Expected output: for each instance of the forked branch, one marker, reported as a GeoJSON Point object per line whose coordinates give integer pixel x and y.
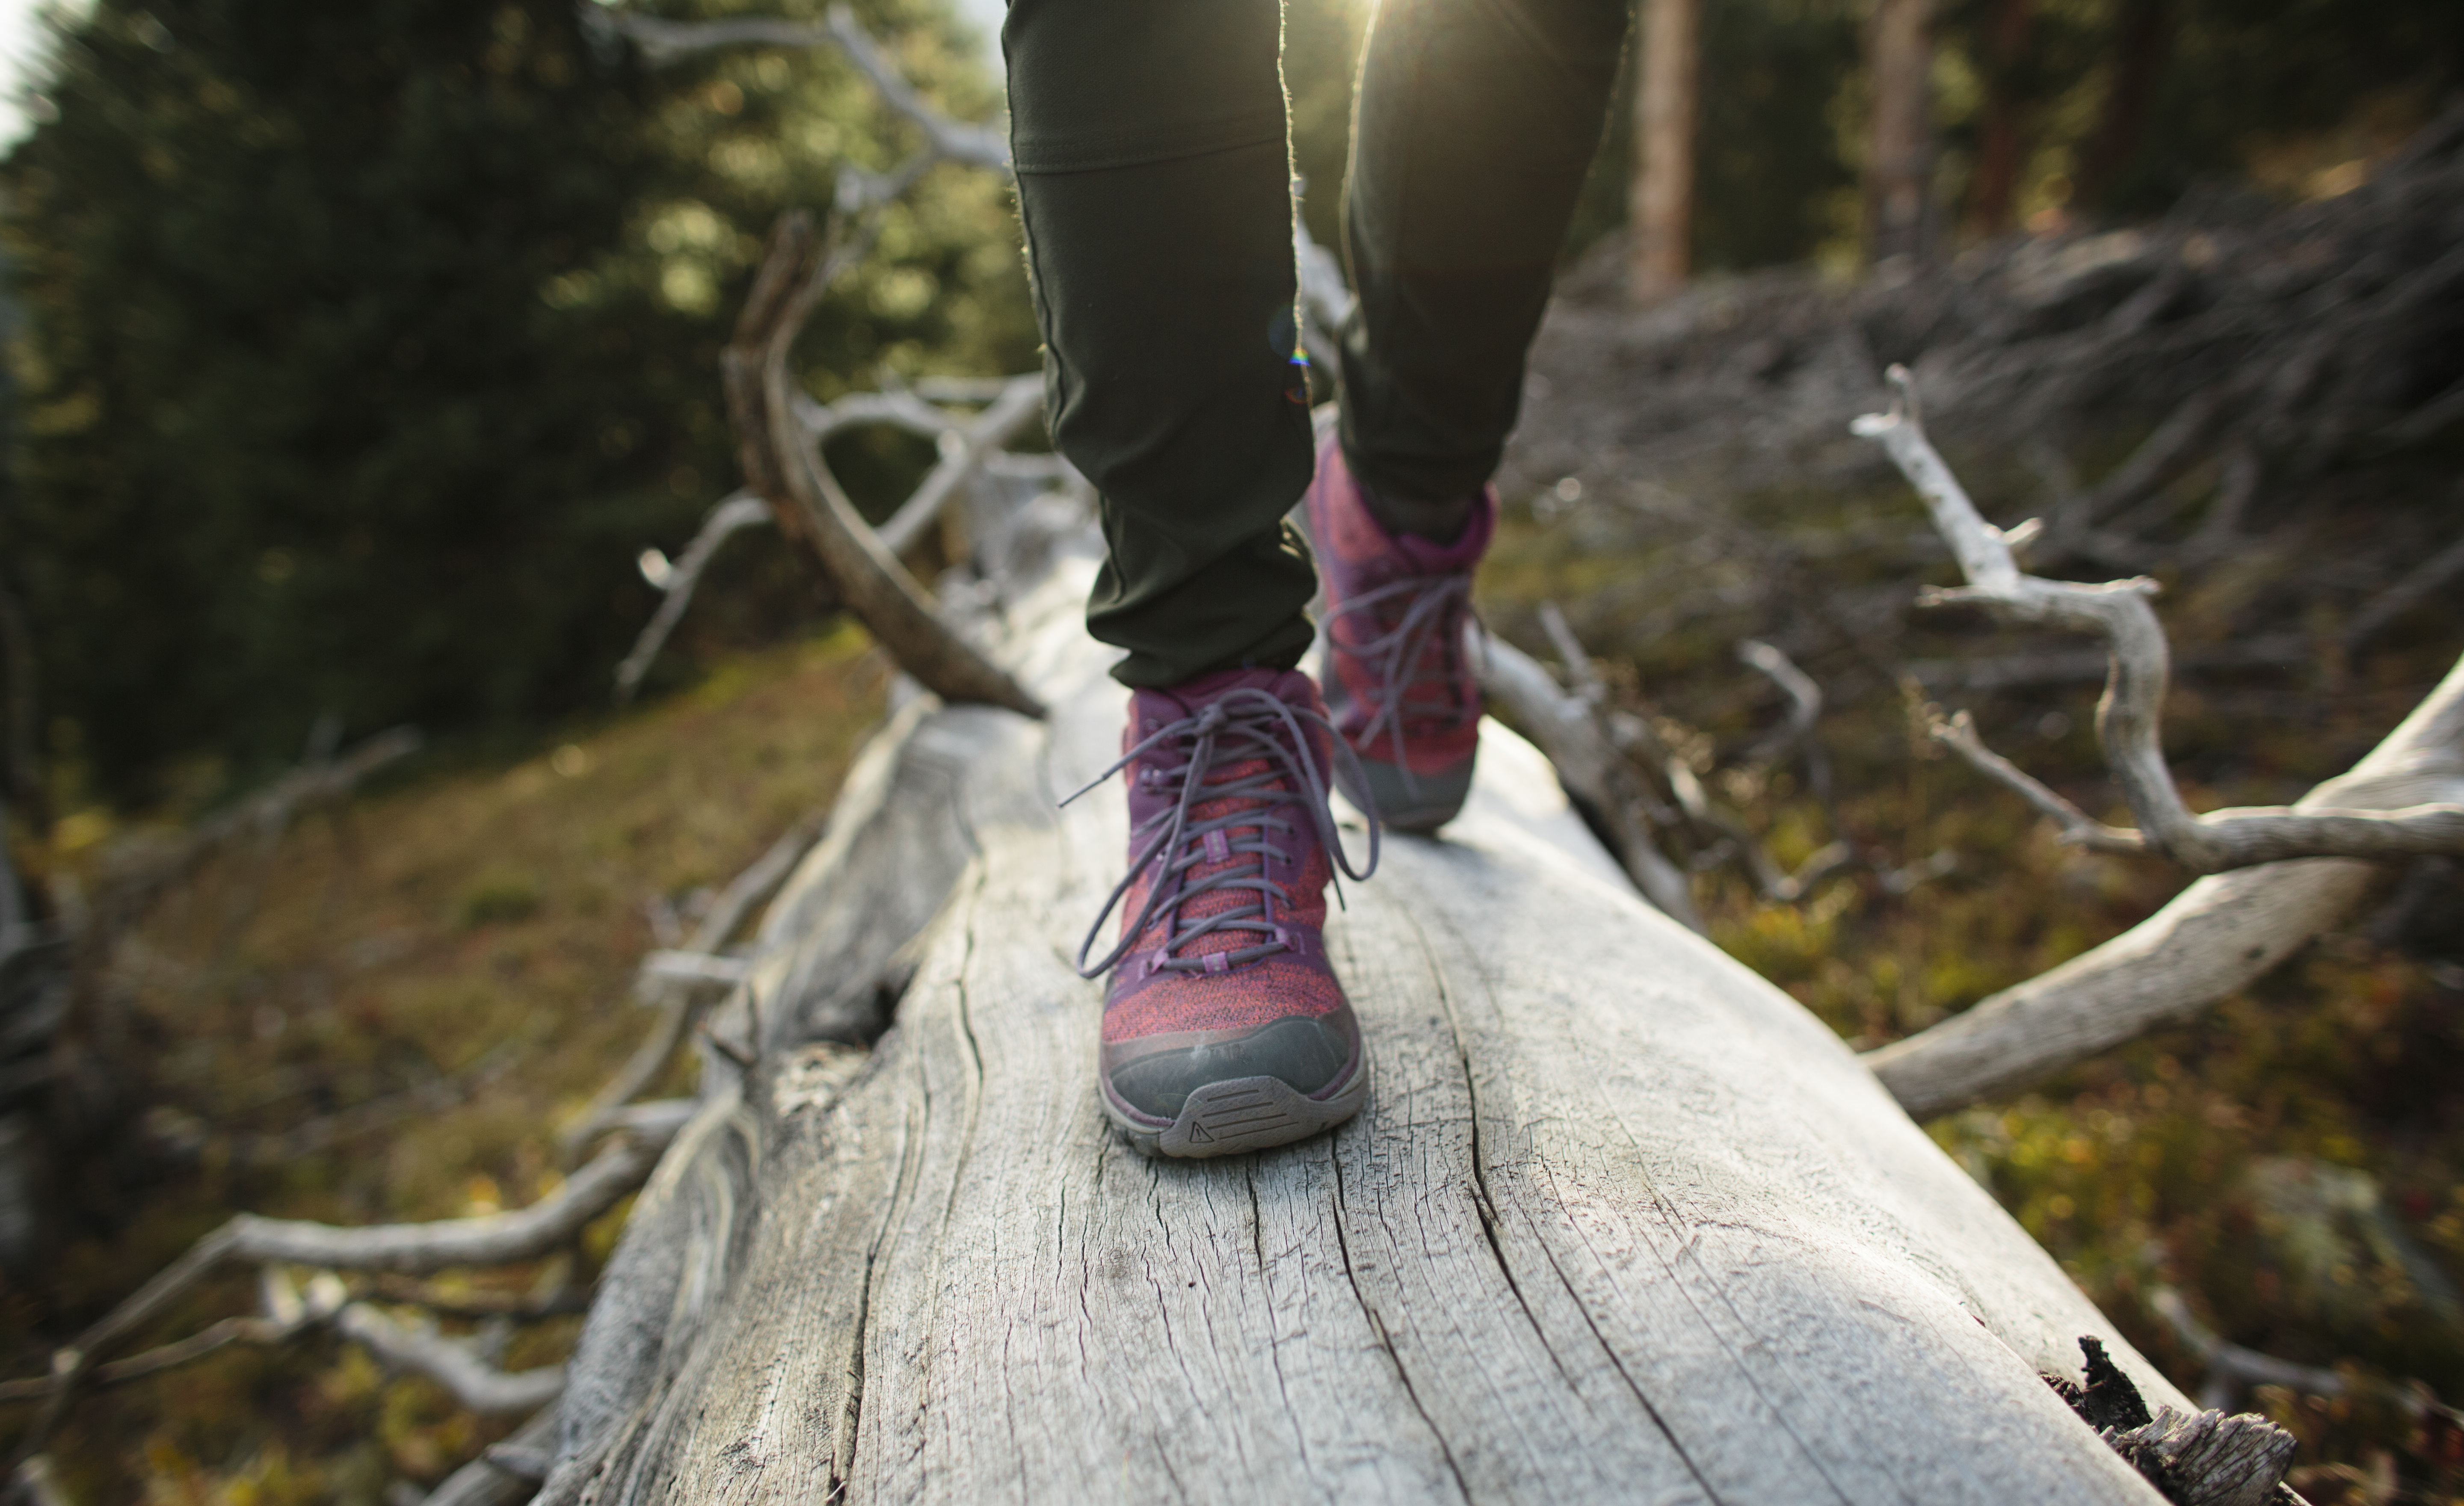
{"type": "Point", "coordinates": [2128, 716]}
{"type": "Point", "coordinates": [490, 1239]}
{"type": "Point", "coordinates": [664, 42]}
{"type": "Point", "coordinates": [677, 579]}
{"type": "Point", "coordinates": [806, 498]}
{"type": "Point", "coordinates": [2215, 937]}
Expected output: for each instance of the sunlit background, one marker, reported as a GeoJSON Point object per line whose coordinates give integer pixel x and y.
{"type": "Point", "coordinates": [22, 40]}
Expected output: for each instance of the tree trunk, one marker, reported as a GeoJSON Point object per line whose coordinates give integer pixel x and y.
{"type": "Point", "coordinates": [1620, 1222]}
{"type": "Point", "coordinates": [1666, 108]}
{"type": "Point", "coordinates": [1898, 155]}
{"type": "Point", "coordinates": [2143, 44]}
{"type": "Point", "coordinates": [2003, 141]}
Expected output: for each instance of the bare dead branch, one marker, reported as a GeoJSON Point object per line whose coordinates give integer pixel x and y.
{"type": "Point", "coordinates": [1908, 879]}
{"type": "Point", "coordinates": [1959, 734]}
{"type": "Point", "coordinates": [505, 1473]}
{"type": "Point", "coordinates": [806, 499]}
{"type": "Point", "coordinates": [287, 1313]}
{"type": "Point", "coordinates": [736, 1051]}
{"type": "Point", "coordinates": [679, 1005]}
{"type": "Point", "coordinates": [2128, 716]}
{"type": "Point", "coordinates": [2216, 936]}
{"type": "Point", "coordinates": [474, 1383]}
{"type": "Point", "coordinates": [668, 965]}
{"type": "Point", "coordinates": [1567, 728]}
{"type": "Point", "coordinates": [132, 888]}
{"type": "Point", "coordinates": [894, 406]}
{"type": "Point", "coordinates": [2232, 1368]}
{"type": "Point", "coordinates": [463, 1302]}
{"type": "Point", "coordinates": [1795, 735]}
{"type": "Point", "coordinates": [258, 1331]}
{"type": "Point", "coordinates": [1581, 674]}
{"type": "Point", "coordinates": [490, 1239]}
{"type": "Point", "coordinates": [968, 444]}
{"type": "Point", "coordinates": [963, 451]}
{"type": "Point", "coordinates": [2080, 665]}
{"type": "Point", "coordinates": [1804, 697]}
{"type": "Point", "coordinates": [676, 581]}
{"type": "Point", "coordinates": [663, 42]}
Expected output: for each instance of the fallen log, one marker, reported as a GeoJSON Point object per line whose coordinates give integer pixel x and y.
{"type": "Point", "coordinates": [1622, 1221]}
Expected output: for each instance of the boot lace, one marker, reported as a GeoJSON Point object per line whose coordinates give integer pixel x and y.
{"type": "Point", "coordinates": [1435, 612]}
{"type": "Point", "coordinates": [1254, 821]}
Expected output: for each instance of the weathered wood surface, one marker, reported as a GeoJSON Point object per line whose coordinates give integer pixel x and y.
{"type": "Point", "coordinates": [1620, 1222]}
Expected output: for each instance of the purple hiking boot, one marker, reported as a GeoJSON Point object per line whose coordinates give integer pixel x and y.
{"type": "Point", "coordinates": [1225, 1029]}
{"type": "Point", "coordinates": [1396, 679]}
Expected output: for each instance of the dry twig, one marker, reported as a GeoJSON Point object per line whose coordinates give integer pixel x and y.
{"type": "Point", "coordinates": [490, 1239]}
{"type": "Point", "coordinates": [664, 42]}
{"type": "Point", "coordinates": [2215, 937]}
{"type": "Point", "coordinates": [676, 581]}
{"type": "Point", "coordinates": [2127, 717]}
{"type": "Point", "coordinates": [679, 998]}
{"type": "Point", "coordinates": [474, 1383]}
{"type": "Point", "coordinates": [1568, 729]}
{"type": "Point", "coordinates": [128, 892]}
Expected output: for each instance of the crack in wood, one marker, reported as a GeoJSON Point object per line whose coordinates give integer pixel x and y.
{"type": "Point", "coordinates": [1386, 1343]}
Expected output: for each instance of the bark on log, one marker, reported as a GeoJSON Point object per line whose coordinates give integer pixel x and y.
{"type": "Point", "coordinates": [1622, 1221]}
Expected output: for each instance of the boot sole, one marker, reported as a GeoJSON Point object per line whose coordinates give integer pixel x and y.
{"type": "Point", "coordinates": [1420, 807]}
{"type": "Point", "coordinates": [1243, 1114]}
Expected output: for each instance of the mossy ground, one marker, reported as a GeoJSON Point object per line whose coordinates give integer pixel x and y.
{"type": "Point", "coordinates": [443, 973]}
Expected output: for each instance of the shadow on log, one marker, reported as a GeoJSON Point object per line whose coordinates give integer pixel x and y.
{"type": "Point", "coordinates": [1622, 1221]}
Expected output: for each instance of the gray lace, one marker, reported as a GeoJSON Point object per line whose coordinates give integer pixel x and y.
{"type": "Point", "coordinates": [1237, 727]}
{"type": "Point", "coordinates": [1395, 657]}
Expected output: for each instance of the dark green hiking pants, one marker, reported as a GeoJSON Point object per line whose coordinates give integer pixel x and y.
{"type": "Point", "coordinates": [1155, 185]}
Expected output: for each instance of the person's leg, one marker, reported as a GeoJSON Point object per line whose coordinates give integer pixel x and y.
{"type": "Point", "coordinates": [1473, 126]}
{"type": "Point", "coordinates": [1154, 186]}
{"type": "Point", "coordinates": [1475, 122]}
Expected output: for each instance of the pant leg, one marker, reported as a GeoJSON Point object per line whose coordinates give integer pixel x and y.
{"type": "Point", "coordinates": [1475, 122]}
{"type": "Point", "coordinates": [1154, 186]}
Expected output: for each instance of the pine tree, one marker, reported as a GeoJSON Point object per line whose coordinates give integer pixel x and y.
{"type": "Point", "coordinates": [369, 342]}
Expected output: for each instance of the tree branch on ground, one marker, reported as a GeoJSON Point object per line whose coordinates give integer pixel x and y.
{"type": "Point", "coordinates": [2216, 936]}
{"type": "Point", "coordinates": [474, 1383]}
{"type": "Point", "coordinates": [2128, 716]}
{"type": "Point", "coordinates": [130, 888]}
{"type": "Point", "coordinates": [488, 1239]}
{"type": "Point", "coordinates": [1567, 728]}
{"type": "Point", "coordinates": [680, 1000]}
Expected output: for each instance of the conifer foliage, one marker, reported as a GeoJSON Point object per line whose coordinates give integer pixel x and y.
{"type": "Point", "coordinates": [369, 342]}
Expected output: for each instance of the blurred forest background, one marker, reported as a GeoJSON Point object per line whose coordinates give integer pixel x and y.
{"type": "Point", "coordinates": [355, 352]}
